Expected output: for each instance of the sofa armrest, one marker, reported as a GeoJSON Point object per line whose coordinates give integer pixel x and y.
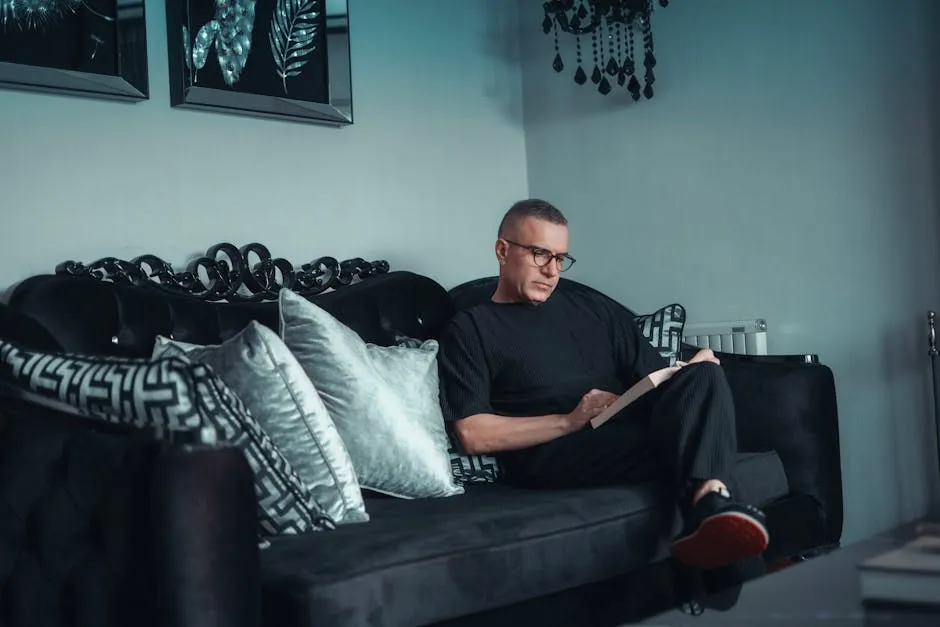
{"type": "Point", "coordinates": [104, 525]}
{"type": "Point", "coordinates": [206, 538]}
{"type": "Point", "coordinates": [789, 406]}
{"type": "Point", "coordinates": [687, 350]}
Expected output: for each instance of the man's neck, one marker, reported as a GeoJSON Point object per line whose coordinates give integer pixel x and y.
{"type": "Point", "coordinates": [502, 297]}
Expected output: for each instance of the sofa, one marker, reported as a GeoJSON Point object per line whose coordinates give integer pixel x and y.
{"type": "Point", "coordinates": [109, 524]}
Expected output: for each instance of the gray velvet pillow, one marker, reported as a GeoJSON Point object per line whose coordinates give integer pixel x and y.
{"type": "Point", "coordinates": [465, 468]}
{"type": "Point", "coordinates": [261, 370]}
{"type": "Point", "coordinates": [383, 400]}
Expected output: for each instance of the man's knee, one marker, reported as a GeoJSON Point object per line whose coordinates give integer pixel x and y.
{"type": "Point", "coordinates": [706, 371]}
{"type": "Point", "coordinates": [706, 376]}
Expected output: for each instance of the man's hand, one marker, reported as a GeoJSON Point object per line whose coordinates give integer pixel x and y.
{"type": "Point", "coordinates": [706, 354]}
{"type": "Point", "coordinates": [592, 403]}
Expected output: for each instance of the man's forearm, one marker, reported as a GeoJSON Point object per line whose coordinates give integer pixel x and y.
{"type": "Point", "coordinates": [489, 433]}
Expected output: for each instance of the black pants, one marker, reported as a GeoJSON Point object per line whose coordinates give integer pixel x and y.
{"type": "Point", "coordinates": [681, 432]}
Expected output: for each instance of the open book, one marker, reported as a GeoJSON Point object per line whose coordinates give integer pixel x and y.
{"type": "Point", "coordinates": [638, 389]}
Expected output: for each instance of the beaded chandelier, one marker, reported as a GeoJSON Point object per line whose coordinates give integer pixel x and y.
{"type": "Point", "coordinates": [612, 25]}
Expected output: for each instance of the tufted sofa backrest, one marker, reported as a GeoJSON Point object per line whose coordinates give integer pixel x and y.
{"type": "Point", "coordinates": [94, 317]}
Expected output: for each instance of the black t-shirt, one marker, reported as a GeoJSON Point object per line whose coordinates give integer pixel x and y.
{"type": "Point", "coordinates": [519, 359]}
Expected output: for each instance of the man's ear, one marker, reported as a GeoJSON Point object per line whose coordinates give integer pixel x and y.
{"type": "Point", "coordinates": [502, 249]}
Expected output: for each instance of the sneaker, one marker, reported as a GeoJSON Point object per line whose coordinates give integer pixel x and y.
{"type": "Point", "coordinates": [720, 532]}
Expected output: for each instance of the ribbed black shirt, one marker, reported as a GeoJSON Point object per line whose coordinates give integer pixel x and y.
{"type": "Point", "coordinates": [521, 359]}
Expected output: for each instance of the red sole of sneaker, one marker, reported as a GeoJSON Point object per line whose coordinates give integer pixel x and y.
{"type": "Point", "coordinates": [721, 540]}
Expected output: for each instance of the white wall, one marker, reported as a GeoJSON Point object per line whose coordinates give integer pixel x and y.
{"type": "Point", "coordinates": [785, 168]}
{"type": "Point", "coordinates": [435, 156]}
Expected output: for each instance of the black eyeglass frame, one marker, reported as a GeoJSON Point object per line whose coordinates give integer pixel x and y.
{"type": "Point", "coordinates": [559, 259]}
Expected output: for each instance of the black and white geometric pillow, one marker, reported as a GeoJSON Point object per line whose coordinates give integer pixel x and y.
{"type": "Point", "coordinates": [155, 395]}
{"type": "Point", "coordinates": [471, 468]}
{"type": "Point", "coordinates": [663, 329]}
{"type": "Point", "coordinates": [169, 395]}
{"type": "Point", "coordinates": [286, 505]}
{"type": "Point", "coordinates": [465, 468]}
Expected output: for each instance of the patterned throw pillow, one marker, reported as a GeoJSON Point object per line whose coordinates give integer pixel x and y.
{"type": "Point", "coordinates": [471, 468]}
{"type": "Point", "coordinates": [166, 395]}
{"type": "Point", "coordinates": [663, 329]}
{"type": "Point", "coordinates": [135, 393]}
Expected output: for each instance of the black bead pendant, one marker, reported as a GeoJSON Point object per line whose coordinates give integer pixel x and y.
{"type": "Point", "coordinates": [558, 64]}
{"type": "Point", "coordinates": [612, 66]}
{"type": "Point", "coordinates": [580, 77]}
{"type": "Point", "coordinates": [634, 87]}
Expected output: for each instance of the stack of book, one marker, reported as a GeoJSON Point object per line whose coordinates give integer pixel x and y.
{"type": "Point", "coordinates": [909, 574]}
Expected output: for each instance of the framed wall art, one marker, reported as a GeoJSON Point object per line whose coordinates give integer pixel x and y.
{"type": "Point", "coordinates": [92, 48]}
{"type": "Point", "coordinates": [284, 59]}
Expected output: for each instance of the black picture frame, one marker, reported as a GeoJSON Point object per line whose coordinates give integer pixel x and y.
{"type": "Point", "coordinates": [91, 48]}
{"type": "Point", "coordinates": [279, 59]}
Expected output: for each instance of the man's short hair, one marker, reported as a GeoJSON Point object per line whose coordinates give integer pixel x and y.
{"type": "Point", "coordinates": [531, 208]}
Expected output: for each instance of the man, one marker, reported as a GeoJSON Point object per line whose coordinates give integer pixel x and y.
{"type": "Point", "coordinates": [523, 374]}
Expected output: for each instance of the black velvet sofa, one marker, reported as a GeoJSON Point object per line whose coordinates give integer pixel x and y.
{"type": "Point", "coordinates": [107, 526]}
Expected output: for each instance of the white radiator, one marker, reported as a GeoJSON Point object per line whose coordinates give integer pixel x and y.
{"type": "Point", "coordinates": [744, 337]}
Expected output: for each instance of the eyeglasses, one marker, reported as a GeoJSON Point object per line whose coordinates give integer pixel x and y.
{"type": "Point", "coordinates": [542, 257]}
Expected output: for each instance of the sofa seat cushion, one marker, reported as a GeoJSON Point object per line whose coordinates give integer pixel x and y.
{"type": "Point", "coordinates": [760, 478]}
{"type": "Point", "coordinates": [425, 560]}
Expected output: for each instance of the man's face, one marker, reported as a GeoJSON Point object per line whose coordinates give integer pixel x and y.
{"type": "Point", "coordinates": [523, 279]}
